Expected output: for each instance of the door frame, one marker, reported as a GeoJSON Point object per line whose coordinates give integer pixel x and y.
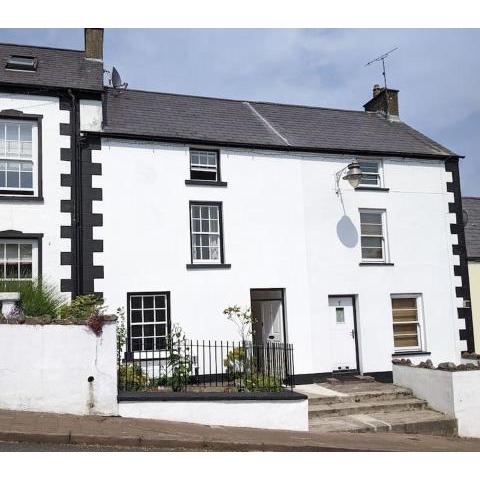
{"type": "Point", "coordinates": [284, 312]}
{"type": "Point", "coordinates": [354, 305]}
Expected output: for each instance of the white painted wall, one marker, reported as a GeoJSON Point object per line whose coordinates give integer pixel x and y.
{"type": "Point", "coordinates": [454, 393]}
{"type": "Point", "coordinates": [284, 226]}
{"type": "Point", "coordinates": [45, 368]}
{"type": "Point", "coordinates": [91, 115]}
{"type": "Point", "coordinates": [43, 217]}
{"type": "Point", "coordinates": [276, 415]}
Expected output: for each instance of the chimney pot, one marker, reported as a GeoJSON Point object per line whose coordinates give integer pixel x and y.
{"type": "Point", "coordinates": [376, 89]}
{"type": "Point", "coordinates": [94, 43]}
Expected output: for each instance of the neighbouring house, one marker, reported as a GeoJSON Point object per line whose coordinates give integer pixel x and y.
{"type": "Point", "coordinates": [177, 206]}
{"type": "Point", "coordinates": [471, 207]}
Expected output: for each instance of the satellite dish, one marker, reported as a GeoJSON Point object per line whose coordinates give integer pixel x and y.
{"type": "Point", "coordinates": [116, 80]}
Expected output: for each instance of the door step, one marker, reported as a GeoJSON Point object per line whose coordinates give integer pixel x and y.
{"type": "Point", "coordinates": [424, 421]}
{"type": "Point", "coordinates": [352, 408]}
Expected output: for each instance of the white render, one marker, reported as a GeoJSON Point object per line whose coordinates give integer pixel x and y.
{"type": "Point", "coordinates": [45, 216]}
{"type": "Point", "coordinates": [45, 368]}
{"type": "Point", "coordinates": [90, 115]}
{"type": "Point", "coordinates": [274, 415]}
{"type": "Point", "coordinates": [453, 393]}
{"type": "Point", "coordinates": [284, 227]}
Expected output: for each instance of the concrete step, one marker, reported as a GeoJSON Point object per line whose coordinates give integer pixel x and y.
{"type": "Point", "coordinates": [398, 393]}
{"type": "Point", "coordinates": [423, 421]}
{"type": "Point", "coordinates": [352, 408]}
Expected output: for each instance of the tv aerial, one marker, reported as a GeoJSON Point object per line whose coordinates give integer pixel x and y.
{"type": "Point", "coordinates": [382, 58]}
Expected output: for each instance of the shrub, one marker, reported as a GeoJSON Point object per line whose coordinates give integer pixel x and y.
{"type": "Point", "coordinates": [132, 378]}
{"type": "Point", "coordinates": [235, 363]}
{"type": "Point", "coordinates": [82, 307]}
{"type": "Point", "coordinates": [263, 383]}
{"type": "Point", "coordinates": [37, 297]}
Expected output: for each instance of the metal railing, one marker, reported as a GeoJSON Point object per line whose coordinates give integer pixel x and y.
{"type": "Point", "coordinates": [214, 366]}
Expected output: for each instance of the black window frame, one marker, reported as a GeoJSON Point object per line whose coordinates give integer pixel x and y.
{"type": "Point", "coordinates": [17, 235]}
{"type": "Point", "coordinates": [26, 195]}
{"type": "Point", "coordinates": [212, 183]}
{"type": "Point", "coordinates": [128, 351]}
{"type": "Point", "coordinates": [198, 265]}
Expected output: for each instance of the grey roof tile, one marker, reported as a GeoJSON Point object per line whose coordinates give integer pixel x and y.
{"type": "Point", "coordinates": [56, 68]}
{"type": "Point", "coordinates": [472, 229]}
{"type": "Point", "coordinates": [193, 118]}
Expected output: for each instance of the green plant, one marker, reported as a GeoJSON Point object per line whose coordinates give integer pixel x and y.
{"type": "Point", "coordinates": [235, 363]}
{"type": "Point", "coordinates": [243, 320]}
{"type": "Point", "coordinates": [263, 383]}
{"type": "Point", "coordinates": [82, 307]}
{"type": "Point", "coordinates": [121, 333]}
{"type": "Point", "coordinates": [179, 364]}
{"type": "Point", "coordinates": [37, 297]}
{"type": "Point", "coordinates": [132, 378]}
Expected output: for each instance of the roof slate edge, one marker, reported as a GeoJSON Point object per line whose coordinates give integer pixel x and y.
{"type": "Point", "coordinates": [287, 148]}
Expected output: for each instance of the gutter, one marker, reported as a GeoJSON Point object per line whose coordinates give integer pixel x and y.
{"type": "Point", "coordinates": [283, 148]}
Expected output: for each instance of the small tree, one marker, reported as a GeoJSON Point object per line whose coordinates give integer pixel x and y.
{"type": "Point", "coordinates": [121, 333]}
{"type": "Point", "coordinates": [242, 319]}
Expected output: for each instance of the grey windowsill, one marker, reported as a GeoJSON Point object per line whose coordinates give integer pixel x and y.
{"type": "Point", "coordinates": [206, 183]}
{"type": "Point", "coordinates": [376, 264]}
{"type": "Point", "coordinates": [410, 353]}
{"type": "Point", "coordinates": [18, 198]}
{"type": "Point", "coordinates": [207, 266]}
{"type": "Point", "coordinates": [373, 189]}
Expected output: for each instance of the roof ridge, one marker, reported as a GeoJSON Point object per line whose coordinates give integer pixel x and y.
{"type": "Point", "coordinates": [471, 197]}
{"type": "Point", "coordinates": [44, 48]}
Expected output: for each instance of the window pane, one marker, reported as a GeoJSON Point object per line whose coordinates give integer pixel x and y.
{"type": "Point", "coordinates": [26, 252]}
{"type": "Point", "coordinates": [12, 131]}
{"type": "Point", "coordinates": [148, 316]}
{"type": "Point", "coordinates": [375, 218]}
{"type": "Point", "coordinates": [205, 226]}
{"type": "Point", "coordinates": [3, 178]}
{"type": "Point", "coordinates": [148, 344]}
{"type": "Point", "coordinates": [340, 314]}
{"type": "Point", "coordinates": [160, 343]}
{"type": "Point", "coordinates": [401, 342]}
{"type": "Point", "coordinates": [12, 270]}
{"type": "Point", "coordinates": [13, 180]}
{"type": "Point", "coordinates": [160, 330]}
{"type": "Point", "coordinates": [148, 330]}
{"type": "Point", "coordinates": [136, 302]}
{"type": "Point", "coordinates": [26, 180]}
{"type": "Point", "coordinates": [147, 302]}
{"type": "Point", "coordinates": [214, 213]}
{"type": "Point", "coordinates": [367, 229]}
{"type": "Point", "coordinates": [136, 316]}
{"type": "Point", "coordinates": [204, 212]}
{"type": "Point", "coordinates": [205, 253]}
{"type": "Point", "coordinates": [160, 301]}
{"type": "Point", "coordinates": [372, 253]}
{"type": "Point", "coordinates": [136, 331]}
{"type": "Point", "coordinates": [213, 225]}
{"type": "Point", "coordinates": [26, 132]}
{"type": "Point", "coordinates": [404, 302]}
{"type": "Point", "coordinates": [405, 329]}
{"type": "Point", "coordinates": [210, 175]}
{"type": "Point", "coordinates": [12, 252]}
{"type": "Point", "coordinates": [369, 167]}
{"type": "Point", "coordinates": [371, 242]}
{"type": "Point", "coordinates": [369, 180]}
{"type": "Point", "coordinates": [161, 316]}
{"type": "Point", "coordinates": [195, 212]}
{"type": "Point", "coordinates": [136, 344]}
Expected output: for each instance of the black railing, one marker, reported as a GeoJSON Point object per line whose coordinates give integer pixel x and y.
{"type": "Point", "coordinates": [209, 366]}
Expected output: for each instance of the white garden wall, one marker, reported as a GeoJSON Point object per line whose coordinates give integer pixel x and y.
{"type": "Point", "coordinates": [455, 393]}
{"type": "Point", "coordinates": [273, 414]}
{"type": "Point", "coordinates": [45, 368]}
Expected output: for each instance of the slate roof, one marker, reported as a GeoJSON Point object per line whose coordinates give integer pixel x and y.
{"type": "Point", "coordinates": [58, 68]}
{"type": "Point", "coordinates": [472, 229]}
{"type": "Point", "coordinates": [291, 127]}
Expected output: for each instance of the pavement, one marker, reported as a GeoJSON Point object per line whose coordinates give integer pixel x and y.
{"type": "Point", "coordinates": [128, 433]}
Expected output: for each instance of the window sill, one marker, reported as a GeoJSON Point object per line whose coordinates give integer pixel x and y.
{"type": "Point", "coordinates": [18, 198]}
{"type": "Point", "coordinates": [373, 189]}
{"type": "Point", "coordinates": [410, 353]}
{"type": "Point", "coordinates": [206, 266]}
{"type": "Point", "coordinates": [206, 183]}
{"type": "Point", "coordinates": [376, 264]}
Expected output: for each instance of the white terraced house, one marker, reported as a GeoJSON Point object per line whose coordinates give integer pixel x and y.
{"type": "Point", "coordinates": [341, 229]}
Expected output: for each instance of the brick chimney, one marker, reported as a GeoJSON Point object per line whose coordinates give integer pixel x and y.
{"type": "Point", "coordinates": [383, 101]}
{"type": "Point", "coordinates": [94, 44]}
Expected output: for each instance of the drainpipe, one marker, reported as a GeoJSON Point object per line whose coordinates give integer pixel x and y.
{"type": "Point", "coordinates": [76, 172]}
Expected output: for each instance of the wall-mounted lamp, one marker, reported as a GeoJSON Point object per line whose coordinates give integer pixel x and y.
{"type": "Point", "coordinates": [353, 175]}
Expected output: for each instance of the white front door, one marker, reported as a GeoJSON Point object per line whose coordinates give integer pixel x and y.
{"type": "Point", "coordinates": [272, 320]}
{"type": "Point", "coordinates": [342, 334]}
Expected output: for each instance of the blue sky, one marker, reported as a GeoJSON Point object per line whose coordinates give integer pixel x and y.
{"type": "Point", "coordinates": [436, 70]}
